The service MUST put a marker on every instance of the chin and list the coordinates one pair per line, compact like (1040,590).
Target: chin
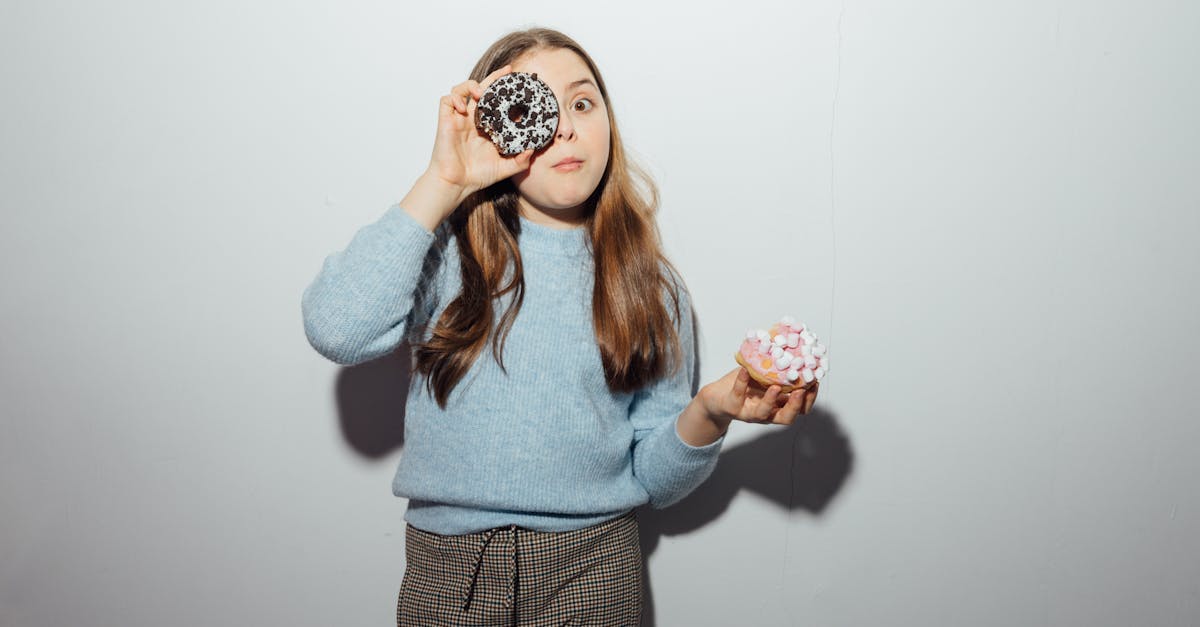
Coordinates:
(562,203)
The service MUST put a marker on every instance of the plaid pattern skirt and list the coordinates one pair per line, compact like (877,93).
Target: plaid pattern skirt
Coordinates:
(517,576)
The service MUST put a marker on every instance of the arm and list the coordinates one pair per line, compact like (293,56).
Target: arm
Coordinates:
(663,414)
(360,305)
(678,433)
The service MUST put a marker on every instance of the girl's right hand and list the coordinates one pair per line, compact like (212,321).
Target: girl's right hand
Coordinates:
(737,396)
(463,157)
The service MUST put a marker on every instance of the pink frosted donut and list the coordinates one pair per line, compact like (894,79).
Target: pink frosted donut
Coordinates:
(787,355)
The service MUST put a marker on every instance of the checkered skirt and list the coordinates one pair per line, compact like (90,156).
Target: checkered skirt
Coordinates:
(517,576)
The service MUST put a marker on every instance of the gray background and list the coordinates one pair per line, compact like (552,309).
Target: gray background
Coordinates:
(986,210)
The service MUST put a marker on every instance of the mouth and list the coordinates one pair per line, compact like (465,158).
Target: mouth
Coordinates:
(570,163)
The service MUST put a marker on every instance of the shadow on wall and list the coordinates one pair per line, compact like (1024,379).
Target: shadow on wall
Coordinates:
(800,467)
(371,399)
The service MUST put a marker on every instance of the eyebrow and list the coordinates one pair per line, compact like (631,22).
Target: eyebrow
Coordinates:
(582,81)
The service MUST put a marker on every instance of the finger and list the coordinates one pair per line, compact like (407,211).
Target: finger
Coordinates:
(518,163)
(525,159)
(810,397)
(446,106)
(768,402)
(772,394)
(461,94)
(784,417)
(741,383)
(787,414)
(469,110)
(487,80)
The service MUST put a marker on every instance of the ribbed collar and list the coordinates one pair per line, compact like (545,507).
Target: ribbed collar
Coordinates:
(570,242)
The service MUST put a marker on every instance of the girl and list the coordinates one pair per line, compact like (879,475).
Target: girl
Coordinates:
(553,378)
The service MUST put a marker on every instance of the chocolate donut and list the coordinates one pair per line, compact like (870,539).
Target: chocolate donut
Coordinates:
(518,111)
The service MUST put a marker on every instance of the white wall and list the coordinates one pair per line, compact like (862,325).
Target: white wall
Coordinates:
(985,210)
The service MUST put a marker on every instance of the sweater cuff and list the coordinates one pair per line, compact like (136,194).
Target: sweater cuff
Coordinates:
(404,224)
(694,454)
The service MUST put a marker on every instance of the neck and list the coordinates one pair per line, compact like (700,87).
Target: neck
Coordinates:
(553,218)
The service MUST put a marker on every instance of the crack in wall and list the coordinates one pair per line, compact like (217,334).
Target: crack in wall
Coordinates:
(837,84)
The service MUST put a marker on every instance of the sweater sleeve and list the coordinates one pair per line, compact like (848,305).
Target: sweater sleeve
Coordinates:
(365,297)
(666,466)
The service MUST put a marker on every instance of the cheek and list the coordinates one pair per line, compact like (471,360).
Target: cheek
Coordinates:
(528,186)
(601,136)
(518,180)
(604,148)
(603,130)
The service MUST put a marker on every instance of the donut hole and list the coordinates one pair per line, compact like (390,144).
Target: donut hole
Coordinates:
(517,112)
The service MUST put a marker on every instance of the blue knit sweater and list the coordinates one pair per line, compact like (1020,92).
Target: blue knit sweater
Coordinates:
(546,446)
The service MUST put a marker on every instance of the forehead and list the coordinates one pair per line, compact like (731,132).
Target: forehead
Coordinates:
(559,68)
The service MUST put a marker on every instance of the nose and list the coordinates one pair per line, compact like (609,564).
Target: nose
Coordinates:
(566,128)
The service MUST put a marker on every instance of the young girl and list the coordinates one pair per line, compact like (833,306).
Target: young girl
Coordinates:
(553,371)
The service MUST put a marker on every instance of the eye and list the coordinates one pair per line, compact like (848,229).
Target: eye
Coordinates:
(581,101)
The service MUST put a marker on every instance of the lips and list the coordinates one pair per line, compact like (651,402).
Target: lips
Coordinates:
(568,163)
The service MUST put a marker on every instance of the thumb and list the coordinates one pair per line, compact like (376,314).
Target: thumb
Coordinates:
(741,383)
(524,159)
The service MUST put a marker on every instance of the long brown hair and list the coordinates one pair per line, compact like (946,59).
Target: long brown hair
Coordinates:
(634,331)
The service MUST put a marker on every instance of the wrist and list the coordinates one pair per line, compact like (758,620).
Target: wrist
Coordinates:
(712,408)
(696,426)
(431,200)
(452,194)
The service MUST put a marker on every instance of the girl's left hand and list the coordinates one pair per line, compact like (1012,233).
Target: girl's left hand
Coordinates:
(736,396)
